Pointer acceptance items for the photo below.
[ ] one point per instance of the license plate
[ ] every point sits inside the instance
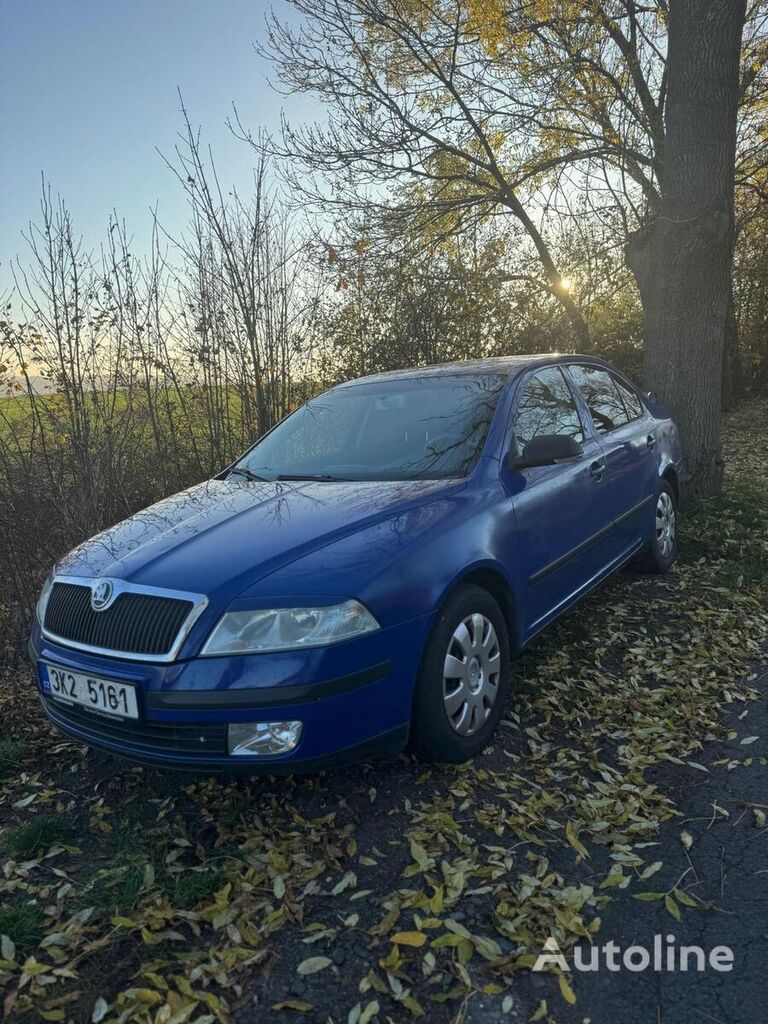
(103, 695)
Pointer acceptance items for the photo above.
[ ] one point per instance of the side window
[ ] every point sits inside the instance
(547, 407)
(602, 397)
(631, 401)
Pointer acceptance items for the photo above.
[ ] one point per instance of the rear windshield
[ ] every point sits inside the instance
(417, 428)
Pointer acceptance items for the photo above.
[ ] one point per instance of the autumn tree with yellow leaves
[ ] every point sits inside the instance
(472, 108)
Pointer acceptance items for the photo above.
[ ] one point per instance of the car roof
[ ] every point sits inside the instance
(505, 365)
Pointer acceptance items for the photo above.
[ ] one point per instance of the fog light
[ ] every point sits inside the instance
(260, 738)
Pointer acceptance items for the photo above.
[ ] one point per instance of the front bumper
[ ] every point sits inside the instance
(354, 700)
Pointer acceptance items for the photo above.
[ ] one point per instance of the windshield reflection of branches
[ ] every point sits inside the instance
(474, 414)
(421, 428)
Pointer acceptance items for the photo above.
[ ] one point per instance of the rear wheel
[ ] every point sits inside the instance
(661, 551)
(463, 681)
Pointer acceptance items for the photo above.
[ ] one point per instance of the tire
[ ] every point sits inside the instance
(660, 553)
(455, 716)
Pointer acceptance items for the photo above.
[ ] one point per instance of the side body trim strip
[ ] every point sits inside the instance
(574, 552)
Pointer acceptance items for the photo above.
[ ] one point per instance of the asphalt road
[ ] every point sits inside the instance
(726, 866)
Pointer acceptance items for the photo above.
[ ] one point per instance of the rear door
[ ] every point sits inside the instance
(620, 422)
(557, 508)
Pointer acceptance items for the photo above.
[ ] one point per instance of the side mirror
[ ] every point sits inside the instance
(547, 450)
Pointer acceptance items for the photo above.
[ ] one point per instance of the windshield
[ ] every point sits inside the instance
(417, 428)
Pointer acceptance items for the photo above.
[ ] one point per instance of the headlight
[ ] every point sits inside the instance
(285, 629)
(42, 601)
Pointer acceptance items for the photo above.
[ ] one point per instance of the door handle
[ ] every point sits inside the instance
(651, 442)
(597, 469)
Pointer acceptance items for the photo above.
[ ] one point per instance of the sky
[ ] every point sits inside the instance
(88, 93)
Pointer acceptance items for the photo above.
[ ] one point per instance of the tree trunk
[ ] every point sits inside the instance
(682, 257)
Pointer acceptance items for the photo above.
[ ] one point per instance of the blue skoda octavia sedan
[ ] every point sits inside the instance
(362, 576)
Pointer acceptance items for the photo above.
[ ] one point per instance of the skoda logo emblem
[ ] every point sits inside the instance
(101, 594)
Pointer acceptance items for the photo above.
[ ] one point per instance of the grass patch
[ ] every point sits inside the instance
(11, 753)
(117, 889)
(731, 533)
(23, 926)
(188, 889)
(39, 834)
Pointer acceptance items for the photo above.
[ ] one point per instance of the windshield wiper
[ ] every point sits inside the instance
(311, 476)
(248, 474)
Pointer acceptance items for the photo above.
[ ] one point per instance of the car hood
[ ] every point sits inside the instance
(222, 536)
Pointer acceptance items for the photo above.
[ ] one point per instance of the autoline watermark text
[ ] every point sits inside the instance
(663, 955)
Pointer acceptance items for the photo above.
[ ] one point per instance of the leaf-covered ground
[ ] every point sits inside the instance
(395, 892)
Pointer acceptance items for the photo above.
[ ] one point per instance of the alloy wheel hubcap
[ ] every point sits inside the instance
(471, 674)
(665, 524)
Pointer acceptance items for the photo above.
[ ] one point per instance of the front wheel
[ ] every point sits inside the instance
(661, 551)
(463, 681)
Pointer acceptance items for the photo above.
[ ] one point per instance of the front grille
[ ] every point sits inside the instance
(134, 623)
(142, 737)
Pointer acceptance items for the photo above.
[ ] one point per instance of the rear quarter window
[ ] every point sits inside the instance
(632, 403)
